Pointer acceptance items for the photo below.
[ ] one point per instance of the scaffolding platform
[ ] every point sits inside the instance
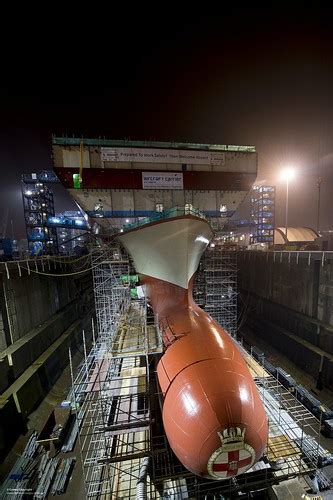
(216, 286)
(123, 446)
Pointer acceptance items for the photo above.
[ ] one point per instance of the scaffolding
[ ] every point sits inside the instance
(216, 286)
(38, 206)
(111, 390)
(293, 447)
(294, 432)
(111, 293)
(199, 289)
(263, 215)
(118, 403)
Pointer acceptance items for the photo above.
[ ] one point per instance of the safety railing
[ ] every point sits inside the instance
(166, 214)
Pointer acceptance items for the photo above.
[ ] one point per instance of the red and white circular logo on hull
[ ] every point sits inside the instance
(231, 463)
(233, 458)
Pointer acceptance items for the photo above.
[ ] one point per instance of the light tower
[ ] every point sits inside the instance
(287, 175)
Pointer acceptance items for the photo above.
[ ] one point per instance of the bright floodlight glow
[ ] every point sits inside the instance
(287, 174)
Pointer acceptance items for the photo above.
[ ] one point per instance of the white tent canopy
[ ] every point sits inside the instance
(295, 235)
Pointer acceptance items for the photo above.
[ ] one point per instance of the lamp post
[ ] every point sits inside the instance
(287, 175)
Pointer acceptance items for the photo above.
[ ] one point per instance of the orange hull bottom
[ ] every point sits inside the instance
(213, 416)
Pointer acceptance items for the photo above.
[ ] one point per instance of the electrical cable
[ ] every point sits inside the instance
(57, 274)
(63, 261)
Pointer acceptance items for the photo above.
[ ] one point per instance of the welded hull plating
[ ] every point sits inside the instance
(212, 413)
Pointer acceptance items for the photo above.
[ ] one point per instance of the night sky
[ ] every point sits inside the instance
(245, 76)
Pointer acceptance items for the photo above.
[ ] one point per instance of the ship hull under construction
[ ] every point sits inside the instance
(212, 413)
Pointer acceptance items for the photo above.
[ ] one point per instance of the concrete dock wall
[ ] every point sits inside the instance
(20, 355)
(289, 301)
(28, 390)
(41, 317)
(29, 300)
(35, 310)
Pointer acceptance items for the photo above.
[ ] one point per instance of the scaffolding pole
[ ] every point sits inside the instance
(216, 286)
